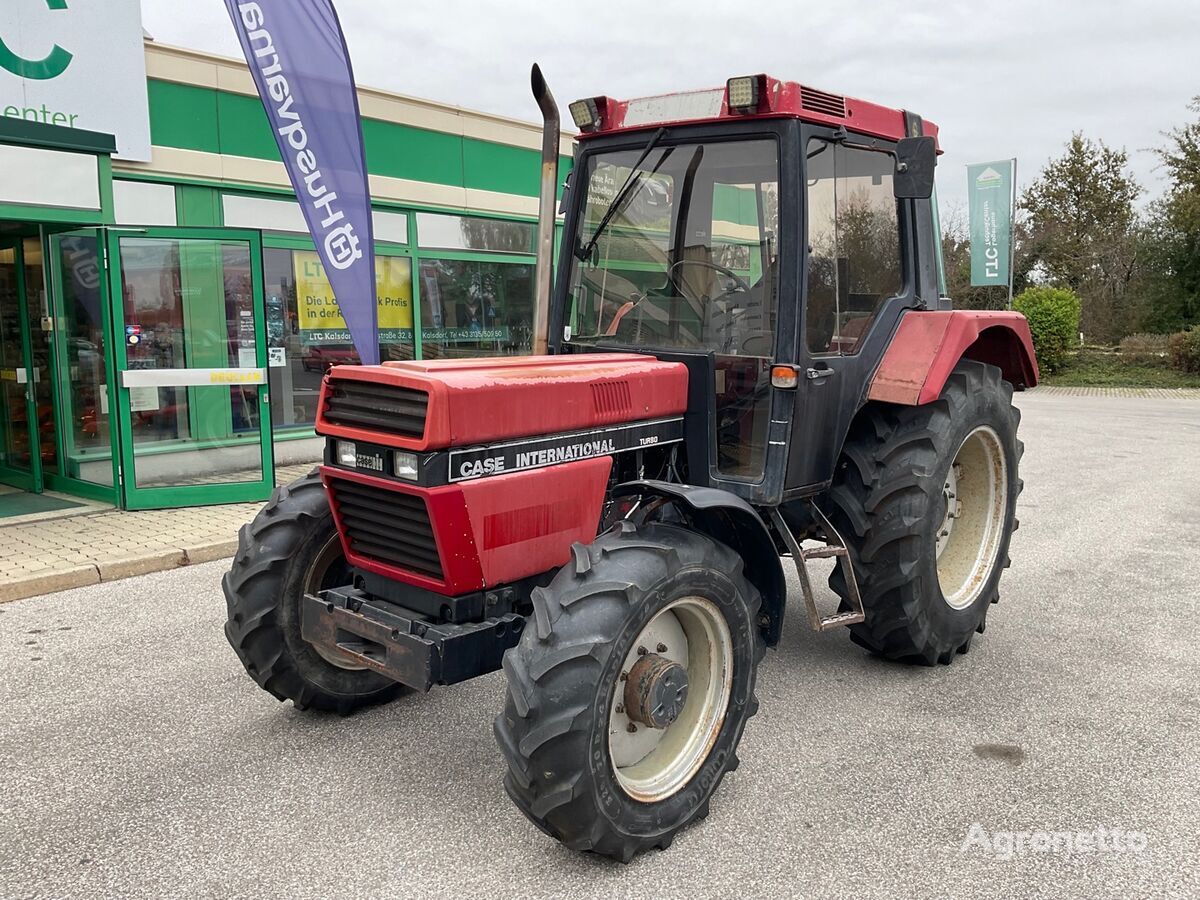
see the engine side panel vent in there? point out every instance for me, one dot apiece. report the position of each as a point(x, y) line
point(611, 400)
point(821, 102)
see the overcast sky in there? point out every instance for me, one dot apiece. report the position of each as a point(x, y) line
point(1001, 79)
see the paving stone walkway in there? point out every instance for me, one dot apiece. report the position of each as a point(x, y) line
point(1143, 393)
point(77, 549)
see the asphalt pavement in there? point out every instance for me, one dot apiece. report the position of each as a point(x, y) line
point(137, 758)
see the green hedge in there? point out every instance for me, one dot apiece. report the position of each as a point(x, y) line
point(1053, 315)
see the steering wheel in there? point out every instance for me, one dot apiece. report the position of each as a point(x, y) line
point(739, 281)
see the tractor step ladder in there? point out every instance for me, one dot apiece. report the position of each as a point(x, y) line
point(835, 548)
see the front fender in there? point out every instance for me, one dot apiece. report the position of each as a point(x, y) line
point(729, 519)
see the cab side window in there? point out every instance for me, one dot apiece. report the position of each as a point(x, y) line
point(853, 244)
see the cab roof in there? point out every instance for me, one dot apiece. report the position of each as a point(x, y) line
point(775, 99)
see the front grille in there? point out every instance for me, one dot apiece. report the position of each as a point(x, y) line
point(387, 526)
point(385, 408)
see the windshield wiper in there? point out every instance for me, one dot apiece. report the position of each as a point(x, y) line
point(619, 201)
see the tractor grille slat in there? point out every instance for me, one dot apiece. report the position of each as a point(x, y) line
point(387, 526)
point(410, 534)
point(394, 506)
point(386, 408)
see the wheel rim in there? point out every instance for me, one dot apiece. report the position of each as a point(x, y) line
point(976, 497)
point(320, 576)
point(688, 636)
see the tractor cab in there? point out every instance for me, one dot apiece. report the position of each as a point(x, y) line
point(759, 234)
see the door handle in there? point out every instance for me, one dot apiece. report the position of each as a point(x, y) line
point(813, 374)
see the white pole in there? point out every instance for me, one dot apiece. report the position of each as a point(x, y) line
point(1012, 231)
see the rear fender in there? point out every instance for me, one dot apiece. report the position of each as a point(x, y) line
point(928, 345)
point(729, 519)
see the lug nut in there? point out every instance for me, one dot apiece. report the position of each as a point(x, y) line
point(620, 709)
point(624, 675)
point(661, 648)
point(642, 651)
point(631, 728)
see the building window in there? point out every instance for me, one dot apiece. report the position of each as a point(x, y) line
point(262, 213)
point(32, 176)
point(306, 333)
point(143, 203)
point(286, 216)
point(854, 244)
point(474, 308)
point(391, 227)
point(440, 232)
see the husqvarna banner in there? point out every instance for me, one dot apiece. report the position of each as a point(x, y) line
point(299, 60)
point(990, 200)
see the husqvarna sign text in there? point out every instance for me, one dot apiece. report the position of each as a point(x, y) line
point(77, 64)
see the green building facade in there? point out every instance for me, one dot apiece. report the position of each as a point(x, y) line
point(165, 325)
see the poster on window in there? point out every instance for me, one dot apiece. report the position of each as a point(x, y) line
point(321, 321)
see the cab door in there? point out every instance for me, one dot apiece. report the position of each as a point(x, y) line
point(858, 281)
point(190, 352)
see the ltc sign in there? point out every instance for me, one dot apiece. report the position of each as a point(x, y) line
point(78, 64)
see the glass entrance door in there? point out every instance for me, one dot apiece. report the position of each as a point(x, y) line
point(190, 351)
point(20, 447)
point(74, 340)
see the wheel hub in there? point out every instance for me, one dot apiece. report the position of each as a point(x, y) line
point(972, 530)
point(953, 507)
point(655, 691)
point(668, 704)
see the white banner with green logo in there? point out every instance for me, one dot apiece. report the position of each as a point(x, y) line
point(77, 64)
point(990, 202)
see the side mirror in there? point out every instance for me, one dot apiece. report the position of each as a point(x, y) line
point(916, 158)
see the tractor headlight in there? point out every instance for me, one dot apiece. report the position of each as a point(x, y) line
point(346, 453)
point(404, 465)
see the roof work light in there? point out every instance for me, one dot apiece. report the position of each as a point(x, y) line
point(586, 113)
point(744, 92)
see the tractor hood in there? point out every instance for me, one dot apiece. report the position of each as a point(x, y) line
point(437, 404)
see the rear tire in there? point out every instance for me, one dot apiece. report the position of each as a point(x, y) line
point(572, 768)
point(289, 548)
point(901, 470)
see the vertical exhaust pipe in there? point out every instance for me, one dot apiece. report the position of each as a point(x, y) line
point(544, 274)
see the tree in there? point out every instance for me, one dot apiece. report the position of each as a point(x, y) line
point(1173, 234)
point(1080, 232)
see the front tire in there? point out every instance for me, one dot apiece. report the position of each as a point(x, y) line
point(627, 700)
point(926, 498)
point(289, 549)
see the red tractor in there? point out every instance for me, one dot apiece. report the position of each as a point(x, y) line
point(747, 355)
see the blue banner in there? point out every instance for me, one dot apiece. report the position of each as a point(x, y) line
point(298, 57)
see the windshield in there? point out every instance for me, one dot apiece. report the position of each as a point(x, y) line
point(685, 256)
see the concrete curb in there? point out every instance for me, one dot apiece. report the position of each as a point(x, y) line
point(48, 582)
point(203, 553)
point(51, 581)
